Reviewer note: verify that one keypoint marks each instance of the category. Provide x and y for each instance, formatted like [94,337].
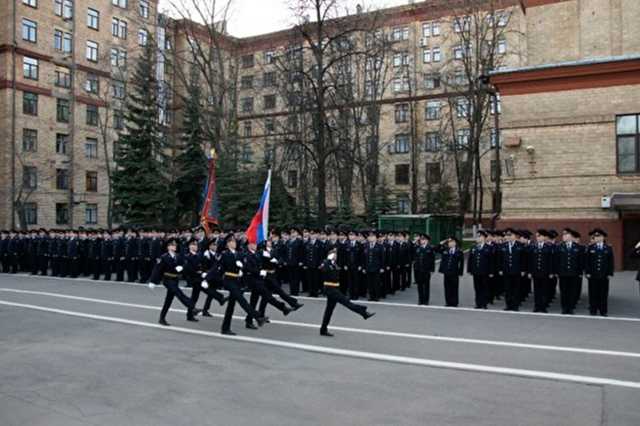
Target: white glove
[206,254]
[179,268]
[204,284]
[263,273]
[239,264]
[266,253]
[240,274]
[204,275]
[151,286]
[274,260]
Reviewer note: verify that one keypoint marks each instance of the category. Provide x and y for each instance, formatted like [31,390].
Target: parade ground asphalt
[82,352]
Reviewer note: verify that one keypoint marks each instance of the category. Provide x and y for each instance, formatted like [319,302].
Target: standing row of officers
[512,263]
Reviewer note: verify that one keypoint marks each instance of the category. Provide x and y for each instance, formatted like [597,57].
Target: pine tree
[139,183]
[381,204]
[191,163]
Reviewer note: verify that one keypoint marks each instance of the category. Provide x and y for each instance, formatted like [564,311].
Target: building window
[494,141]
[31,213]
[92,51]
[30,68]
[118,90]
[269,79]
[401,84]
[62,141]
[400,33]
[269,126]
[246,153]
[431,81]
[246,82]
[62,214]
[430,29]
[502,46]
[118,57]
[269,101]
[401,59]
[403,205]
[247,129]
[402,174]
[143,36]
[62,41]
[29,177]
[119,28]
[63,8]
[461,23]
[462,138]
[29,31]
[495,104]
[432,110]
[143,8]
[91,148]
[292,178]
[93,19]
[63,78]
[494,170]
[62,179]
[91,181]
[247,61]
[462,108]
[29,140]
[247,104]
[269,57]
[402,113]
[433,173]
[92,84]
[63,110]
[91,214]
[118,119]
[120,3]
[432,142]
[31,3]
[92,115]
[628,143]
[400,145]
[29,103]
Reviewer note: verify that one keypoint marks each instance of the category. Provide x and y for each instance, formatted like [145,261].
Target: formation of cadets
[343,264]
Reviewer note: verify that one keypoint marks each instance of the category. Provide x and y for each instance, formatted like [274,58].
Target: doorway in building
[631,236]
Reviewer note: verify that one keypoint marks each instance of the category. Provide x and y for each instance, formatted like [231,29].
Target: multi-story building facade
[63,74]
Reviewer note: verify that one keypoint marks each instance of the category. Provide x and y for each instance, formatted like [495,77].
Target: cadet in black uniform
[481,265]
[168,270]
[423,266]
[330,279]
[311,261]
[568,265]
[372,265]
[106,255]
[132,254]
[119,255]
[295,253]
[213,278]
[540,258]
[599,267]
[193,270]
[452,268]
[353,264]
[511,268]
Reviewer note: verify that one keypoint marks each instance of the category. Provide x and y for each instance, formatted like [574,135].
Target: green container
[438,226]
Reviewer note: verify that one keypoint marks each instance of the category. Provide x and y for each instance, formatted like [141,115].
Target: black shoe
[267,320]
[192,319]
[163,321]
[325,333]
[250,326]
[286,311]
[206,314]
[223,301]
[367,315]
[195,312]
[228,333]
[261,321]
[297,306]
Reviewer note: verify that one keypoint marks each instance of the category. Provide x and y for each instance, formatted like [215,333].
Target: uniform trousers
[334,296]
[598,295]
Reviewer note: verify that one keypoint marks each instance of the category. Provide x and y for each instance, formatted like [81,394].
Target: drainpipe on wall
[13,116]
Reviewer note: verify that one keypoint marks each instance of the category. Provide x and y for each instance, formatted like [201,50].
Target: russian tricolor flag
[259,228]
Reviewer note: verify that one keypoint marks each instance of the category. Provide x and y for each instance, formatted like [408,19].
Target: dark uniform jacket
[372,257]
[313,254]
[330,273]
[295,252]
[512,261]
[599,261]
[193,267]
[481,260]
[540,260]
[568,262]
[451,263]
[424,259]
[352,255]
[165,269]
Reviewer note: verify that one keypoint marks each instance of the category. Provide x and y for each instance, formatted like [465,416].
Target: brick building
[570,121]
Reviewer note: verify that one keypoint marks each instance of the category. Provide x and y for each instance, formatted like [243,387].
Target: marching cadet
[568,265]
[352,264]
[511,268]
[295,252]
[193,270]
[423,266]
[213,278]
[330,276]
[452,268]
[599,267]
[372,265]
[312,258]
[481,265]
[540,258]
[168,270]
[232,267]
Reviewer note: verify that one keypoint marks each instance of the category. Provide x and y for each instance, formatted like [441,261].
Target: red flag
[210,207]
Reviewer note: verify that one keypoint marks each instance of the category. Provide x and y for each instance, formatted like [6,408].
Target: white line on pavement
[365,302]
[533,374]
[355,330]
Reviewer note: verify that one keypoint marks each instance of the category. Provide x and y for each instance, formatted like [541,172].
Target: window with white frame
[462,138]
[400,144]
[269,57]
[118,57]
[119,28]
[92,83]
[29,30]
[91,148]
[91,214]
[93,19]
[63,8]
[143,36]
[143,8]
[92,51]
[401,59]
[120,3]
[30,3]
[432,110]
[432,81]
[400,33]
[461,23]
[118,89]
[402,113]
[401,84]
[462,107]
[502,46]
[432,142]
[495,104]
[30,68]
